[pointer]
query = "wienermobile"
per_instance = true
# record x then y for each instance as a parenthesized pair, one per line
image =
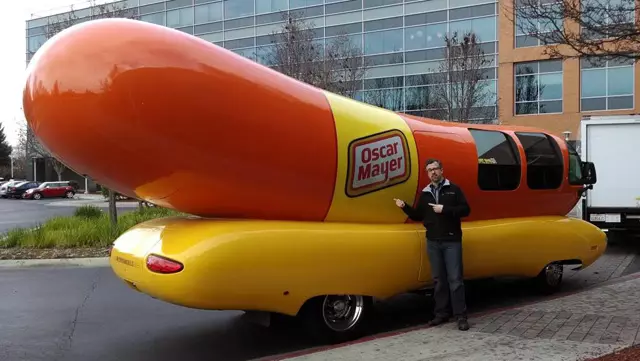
(289, 188)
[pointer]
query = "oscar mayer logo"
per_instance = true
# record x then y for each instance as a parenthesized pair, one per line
(376, 162)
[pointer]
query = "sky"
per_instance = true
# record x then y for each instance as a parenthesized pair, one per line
(13, 30)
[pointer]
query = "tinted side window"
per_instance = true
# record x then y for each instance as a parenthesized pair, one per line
(544, 162)
(575, 166)
(498, 161)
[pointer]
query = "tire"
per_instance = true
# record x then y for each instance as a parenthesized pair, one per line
(69, 194)
(334, 319)
(550, 278)
(37, 196)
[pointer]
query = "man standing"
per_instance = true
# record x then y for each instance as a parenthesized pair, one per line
(440, 207)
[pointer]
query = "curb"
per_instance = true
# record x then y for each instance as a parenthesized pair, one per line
(319, 349)
(59, 262)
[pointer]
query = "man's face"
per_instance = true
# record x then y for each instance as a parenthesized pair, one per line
(435, 172)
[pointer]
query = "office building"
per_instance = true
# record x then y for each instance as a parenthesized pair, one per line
(402, 41)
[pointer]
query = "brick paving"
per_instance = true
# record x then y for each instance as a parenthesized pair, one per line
(574, 327)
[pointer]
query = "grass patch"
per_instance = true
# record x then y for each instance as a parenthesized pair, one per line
(88, 227)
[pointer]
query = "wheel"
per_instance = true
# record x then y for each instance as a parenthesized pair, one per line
(550, 278)
(69, 194)
(337, 318)
(37, 196)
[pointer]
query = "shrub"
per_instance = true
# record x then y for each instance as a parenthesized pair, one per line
(88, 211)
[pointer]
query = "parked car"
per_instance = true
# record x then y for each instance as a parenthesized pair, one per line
(13, 182)
(16, 190)
(50, 190)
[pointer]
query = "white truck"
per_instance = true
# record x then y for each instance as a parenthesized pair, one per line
(611, 143)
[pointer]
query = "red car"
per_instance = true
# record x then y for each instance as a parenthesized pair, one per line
(50, 190)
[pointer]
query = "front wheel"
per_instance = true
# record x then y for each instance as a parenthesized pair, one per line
(337, 318)
(550, 278)
(69, 194)
(37, 196)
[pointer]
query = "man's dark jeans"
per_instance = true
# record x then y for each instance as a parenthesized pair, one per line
(445, 257)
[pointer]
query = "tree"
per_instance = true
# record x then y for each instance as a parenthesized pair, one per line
(461, 92)
(337, 67)
(579, 28)
(385, 94)
(5, 149)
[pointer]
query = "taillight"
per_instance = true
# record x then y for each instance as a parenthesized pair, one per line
(163, 265)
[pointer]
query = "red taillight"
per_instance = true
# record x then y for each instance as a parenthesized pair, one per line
(163, 265)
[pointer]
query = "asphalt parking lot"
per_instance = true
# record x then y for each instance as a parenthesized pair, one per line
(30, 213)
(88, 314)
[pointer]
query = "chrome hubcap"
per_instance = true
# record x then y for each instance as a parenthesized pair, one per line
(342, 312)
(553, 273)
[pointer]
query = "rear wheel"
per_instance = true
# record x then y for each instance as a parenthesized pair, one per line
(550, 278)
(337, 318)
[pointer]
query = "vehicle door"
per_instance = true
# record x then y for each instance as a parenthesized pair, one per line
(49, 190)
(57, 189)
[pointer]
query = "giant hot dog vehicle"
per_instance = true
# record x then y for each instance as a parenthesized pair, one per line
(289, 189)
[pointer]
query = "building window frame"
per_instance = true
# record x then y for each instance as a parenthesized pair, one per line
(537, 73)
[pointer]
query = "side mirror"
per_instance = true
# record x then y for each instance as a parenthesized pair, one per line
(589, 173)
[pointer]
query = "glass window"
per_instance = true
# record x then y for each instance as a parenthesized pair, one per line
(270, 6)
(237, 8)
(484, 28)
(538, 87)
(385, 98)
(383, 41)
(373, 3)
(35, 42)
(343, 6)
(208, 12)
(607, 84)
(543, 26)
(425, 36)
(303, 3)
(575, 166)
(180, 17)
(544, 161)
(498, 160)
(178, 3)
(157, 18)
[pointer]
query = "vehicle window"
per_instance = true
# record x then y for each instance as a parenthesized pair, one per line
(544, 162)
(575, 166)
(498, 162)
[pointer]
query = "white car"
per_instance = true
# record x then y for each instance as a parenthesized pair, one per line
(3, 188)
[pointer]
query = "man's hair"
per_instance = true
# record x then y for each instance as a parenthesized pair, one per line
(433, 160)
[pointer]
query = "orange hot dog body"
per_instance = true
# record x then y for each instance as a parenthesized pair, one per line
(151, 113)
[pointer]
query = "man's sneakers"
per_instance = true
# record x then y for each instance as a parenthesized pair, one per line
(463, 324)
(438, 320)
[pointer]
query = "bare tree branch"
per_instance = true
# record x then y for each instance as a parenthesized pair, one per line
(338, 67)
(461, 92)
(579, 28)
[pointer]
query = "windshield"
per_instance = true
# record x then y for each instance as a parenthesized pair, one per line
(575, 165)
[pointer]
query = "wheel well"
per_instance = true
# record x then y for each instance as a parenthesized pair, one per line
(567, 262)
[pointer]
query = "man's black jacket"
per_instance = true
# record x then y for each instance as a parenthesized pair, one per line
(445, 225)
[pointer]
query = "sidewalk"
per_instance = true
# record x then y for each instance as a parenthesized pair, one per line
(576, 326)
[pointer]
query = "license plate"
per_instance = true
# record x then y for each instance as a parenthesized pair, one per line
(597, 217)
(613, 218)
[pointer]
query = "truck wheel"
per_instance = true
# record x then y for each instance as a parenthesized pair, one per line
(550, 278)
(337, 318)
